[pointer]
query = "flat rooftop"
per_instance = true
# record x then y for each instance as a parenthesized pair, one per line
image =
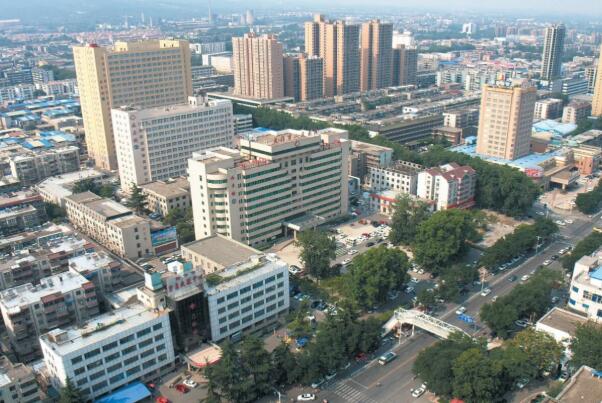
(528, 161)
(108, 208)
(367, 147)
(562, 320)
(100, 328)
(90, 262)
(583, 387)
(21, 296)
(221, 250)
(176, 187)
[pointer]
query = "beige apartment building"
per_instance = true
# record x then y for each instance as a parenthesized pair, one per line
(276, 183)
(303, 77)
(155, 143)
(376, 54)
(145, 74)
(337, 43)
(506, 120)
(258, 66)
(576, 111)
(164, 196)
(111, 224)
(597, 100)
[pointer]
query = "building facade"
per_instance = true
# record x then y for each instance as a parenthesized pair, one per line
(146, 74)
(129, 344)
(376, 55)
(449, 186)
(258, 66)
(29, 311)
(505, 121)
(154, 144)
(19, 384)
(405, 65)
(250, 195)
(100, 268)
(550, 108)
(597, 99)
(553, 49)
(401, 177)
(34, 167)
(586, 286)
(576, 111)
(165, 196)
(303, 77)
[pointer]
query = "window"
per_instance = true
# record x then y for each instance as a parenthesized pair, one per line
(130, 360)
(575, 289)
(143, 332)
(233, 305)
(147, 353)
(128, 350)
(158, 326)
(112, 357)
(114, 368)
(94, 364)
(160, 347)
(149, 363)
(76, 360)
(92, 353)
(258, 294)
(220, 300)
(245, 289)
(257, 285)
(79, 371)
(159, 337)
(126, 339)
(116, 378)
(133, 370)
(109, 346)
(97, 375)
(233, 295)
(99, 386)
(145, 343)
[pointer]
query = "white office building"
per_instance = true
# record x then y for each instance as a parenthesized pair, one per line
(110, 351)
(586, 286)
(402, 177)
(247, 295)
(155, 143)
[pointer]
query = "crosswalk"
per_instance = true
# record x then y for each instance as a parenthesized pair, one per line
(351, 394)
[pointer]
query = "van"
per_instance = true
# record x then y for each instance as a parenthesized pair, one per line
(386, 358)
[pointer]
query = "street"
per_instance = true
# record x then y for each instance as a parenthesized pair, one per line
(374, 383)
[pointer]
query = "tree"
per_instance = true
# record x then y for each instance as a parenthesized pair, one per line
(85, 185)
(137, 199)
(587, 345)
(107, 190)
(434, 364)
(476, 377)
(376, 272)
(285, 369)
(257, 363)
(426, 298)
(541, 350)
(227, 378)
(407, 216)
(70, 393)
(499, 316)
(586, 246)
(317, 250)
(442, 237)
(55, 212)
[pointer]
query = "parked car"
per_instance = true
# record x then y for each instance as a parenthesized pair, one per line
(409, 290)
(521, 323)
(330, 376)
(547, 262)
(512, 278)
(525, 277)
(486, 292)
(460, 310)
(306, 397)
(418, 392)
(181, 388)
(522, 383)
(190, 383)
(317, 383)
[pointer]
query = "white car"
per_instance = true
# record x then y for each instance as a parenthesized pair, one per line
(352, 252)
(409, 290)
(460, 310)
(418, 392)
(346, 262)
(525, 277)
(568, 221)
(330, 376)
(560, 222)
(486, 292)
(190, 383)
(547, 262)
(414, 280)
(306, 397)
(317, 384)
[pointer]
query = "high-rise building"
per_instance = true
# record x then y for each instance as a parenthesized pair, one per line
(505, 120)
(597, 100)
(405, 65)
(155, 143)
(337, 43)
(590, 77)
(146, 74)
(258, 66)
(276, 183)
(376, 55)
(303, 77)
(553, 47)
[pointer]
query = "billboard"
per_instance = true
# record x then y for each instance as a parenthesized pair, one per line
(164, 236)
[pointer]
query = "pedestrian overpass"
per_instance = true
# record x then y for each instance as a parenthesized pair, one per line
(426, 322)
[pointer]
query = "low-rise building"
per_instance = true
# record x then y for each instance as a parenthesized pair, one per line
(105, 353)
(586, 286)
(31, 168)
(401, 177)
(585, 386)
(100, 268)
(453, 135)
(365, 156)
(164, 196)
(18, 383)
(216, 253)
(549, 108)
(56, 188)
(407, 130)
(461, 118)
(29, 311)
(247, 295)
(576, 111)
(450, 186)
(242, 123)
(561, 325)
(113, 225)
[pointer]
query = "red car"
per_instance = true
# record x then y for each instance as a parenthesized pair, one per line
(181, 388)
(162, 399)
(360, 357)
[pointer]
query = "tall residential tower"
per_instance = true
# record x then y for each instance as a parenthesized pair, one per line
(597, 100)
(146, 74)
(553, 47)
(376, 55)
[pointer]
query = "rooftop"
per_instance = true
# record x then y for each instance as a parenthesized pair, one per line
(221, 250)
(10, 372)
(14, 298)
(562, 320)
(526, 162)
(173, 188)
(65, 341)
(91, 262)
(584, 387)
(361, 146)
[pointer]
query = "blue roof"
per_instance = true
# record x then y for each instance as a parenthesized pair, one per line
(562, 129)
(132, 393)
(528, 161)
(596, 274)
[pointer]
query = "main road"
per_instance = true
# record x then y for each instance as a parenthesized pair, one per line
(375, 383)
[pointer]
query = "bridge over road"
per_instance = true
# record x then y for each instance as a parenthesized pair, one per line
(426, 322)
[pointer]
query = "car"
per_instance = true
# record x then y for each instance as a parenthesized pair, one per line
(368, 244)
(306, 397)
(352, 251)
(494, 298)
(190, 383)
(525, 277)
(521, 323)
(420, 271)
(409, 290)
(560, 222)
(361, 357)
(512, 278)
(460, 310)
(386, 358)
(562, 251)
(418, 392)
(181, 388)
(346, 262)
(522, 383)
(414, 280)
(546, 262)
(486, 292)
(317, 383)
(568, 221)
(393, 295)
(554, 257)
(555, 300)
(564, 376)
(330, 376)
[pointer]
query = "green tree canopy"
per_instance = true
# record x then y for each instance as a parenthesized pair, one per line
(137, 199)
(541, 350)
(586, 246)
(406, 218)
(587, 345)
(317, 250)
(376, 272)
(476, 377)
(70, 393)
